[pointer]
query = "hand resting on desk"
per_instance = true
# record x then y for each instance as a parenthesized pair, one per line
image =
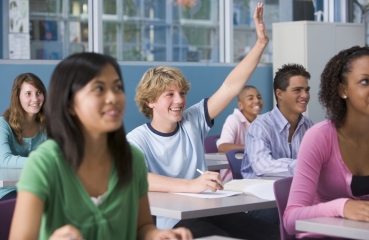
(356, 210)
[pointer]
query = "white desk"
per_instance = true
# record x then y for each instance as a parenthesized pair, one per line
(184, 207)
(9, 176)
(216, 156)
(336, 227)
(216, 238)
(214, 165)
(220, 156)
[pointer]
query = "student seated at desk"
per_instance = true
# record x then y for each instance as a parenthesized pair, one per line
(332, 172)
(22, 125)
(273, 139)
(250, 103)
(173, 142)
(86, 181)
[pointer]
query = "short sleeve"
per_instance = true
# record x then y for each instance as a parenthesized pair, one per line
(140, 171)
(229, 131)
(36, 174)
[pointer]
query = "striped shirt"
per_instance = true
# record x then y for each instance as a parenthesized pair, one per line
(267, 150)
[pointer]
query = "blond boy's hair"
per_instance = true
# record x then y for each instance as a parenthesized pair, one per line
(154, 82)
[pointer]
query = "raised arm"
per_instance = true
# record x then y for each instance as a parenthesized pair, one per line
(239, 76)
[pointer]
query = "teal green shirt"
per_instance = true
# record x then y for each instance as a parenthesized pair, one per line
(13, 154)
(47, 175)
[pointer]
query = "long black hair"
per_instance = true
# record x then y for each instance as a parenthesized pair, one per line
(69, 76)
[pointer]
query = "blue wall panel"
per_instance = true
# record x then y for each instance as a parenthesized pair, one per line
(1, 30)
(205, 80)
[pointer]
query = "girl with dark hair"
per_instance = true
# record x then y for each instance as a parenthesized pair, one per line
(332, 173)
(22, 126)
(86, 181)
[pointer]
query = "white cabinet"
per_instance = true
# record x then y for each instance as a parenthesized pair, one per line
(312, 44)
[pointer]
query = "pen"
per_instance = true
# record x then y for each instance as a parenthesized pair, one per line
(201, 172)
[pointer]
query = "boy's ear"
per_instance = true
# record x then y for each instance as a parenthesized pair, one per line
(150, 104)
(279, 93)
(240, 105)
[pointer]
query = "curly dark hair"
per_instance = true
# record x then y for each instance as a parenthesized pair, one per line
(334, 73)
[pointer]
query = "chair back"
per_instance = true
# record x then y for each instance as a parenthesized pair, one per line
(6, 216)
(235, 163)
(281, 192)
(210, 143)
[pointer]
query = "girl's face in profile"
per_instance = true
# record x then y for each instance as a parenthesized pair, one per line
(357, 88)
(31, 99)
(100, 104)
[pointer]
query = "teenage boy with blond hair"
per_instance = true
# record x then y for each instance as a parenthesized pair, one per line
(173, 142)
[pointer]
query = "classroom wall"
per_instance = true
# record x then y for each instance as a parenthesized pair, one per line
(205, 79)
(1, 30)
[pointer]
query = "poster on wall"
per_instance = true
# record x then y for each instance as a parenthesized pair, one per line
(18, 16)
(19, 47)
(19, 38)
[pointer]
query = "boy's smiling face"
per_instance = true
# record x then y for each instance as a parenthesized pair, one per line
(168, 109)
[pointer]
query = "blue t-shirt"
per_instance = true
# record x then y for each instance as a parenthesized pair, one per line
(13, 154)
(177, 154)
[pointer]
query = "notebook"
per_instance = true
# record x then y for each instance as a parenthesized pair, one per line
(260, 188)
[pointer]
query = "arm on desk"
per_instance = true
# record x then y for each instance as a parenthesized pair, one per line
(225, 147)
(207, 181)
(260, 154)
(147, 230)
(314, 153)
(7, 159)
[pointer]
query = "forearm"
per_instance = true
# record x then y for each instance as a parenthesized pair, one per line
(225, 147)
(146, 232)
(11, 161)
(235, 81)
(159, 183)
(267, 166)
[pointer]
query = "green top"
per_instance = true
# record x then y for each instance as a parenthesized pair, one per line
(47, 175)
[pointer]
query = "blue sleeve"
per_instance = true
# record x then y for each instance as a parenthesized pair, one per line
(7, 158)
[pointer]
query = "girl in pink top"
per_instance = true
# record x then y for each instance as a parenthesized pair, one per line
(250, 104)
(331, 178)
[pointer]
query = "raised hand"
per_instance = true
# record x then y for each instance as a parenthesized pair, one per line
(261, 31)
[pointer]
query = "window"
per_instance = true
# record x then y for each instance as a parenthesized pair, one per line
(152, 30)
(56, 28)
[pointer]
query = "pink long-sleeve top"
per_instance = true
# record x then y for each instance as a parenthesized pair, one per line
(321, 182)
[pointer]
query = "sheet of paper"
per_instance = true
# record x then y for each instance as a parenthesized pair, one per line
(210, 194)
(263, 191)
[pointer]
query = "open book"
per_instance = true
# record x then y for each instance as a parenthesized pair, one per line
(260, 188)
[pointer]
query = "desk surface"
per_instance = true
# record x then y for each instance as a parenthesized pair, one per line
(216, 164)
(220, 156)
(9, 176)
(184, 207)
(336, 227)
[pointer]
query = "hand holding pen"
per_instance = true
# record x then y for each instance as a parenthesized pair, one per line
(209, 181)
